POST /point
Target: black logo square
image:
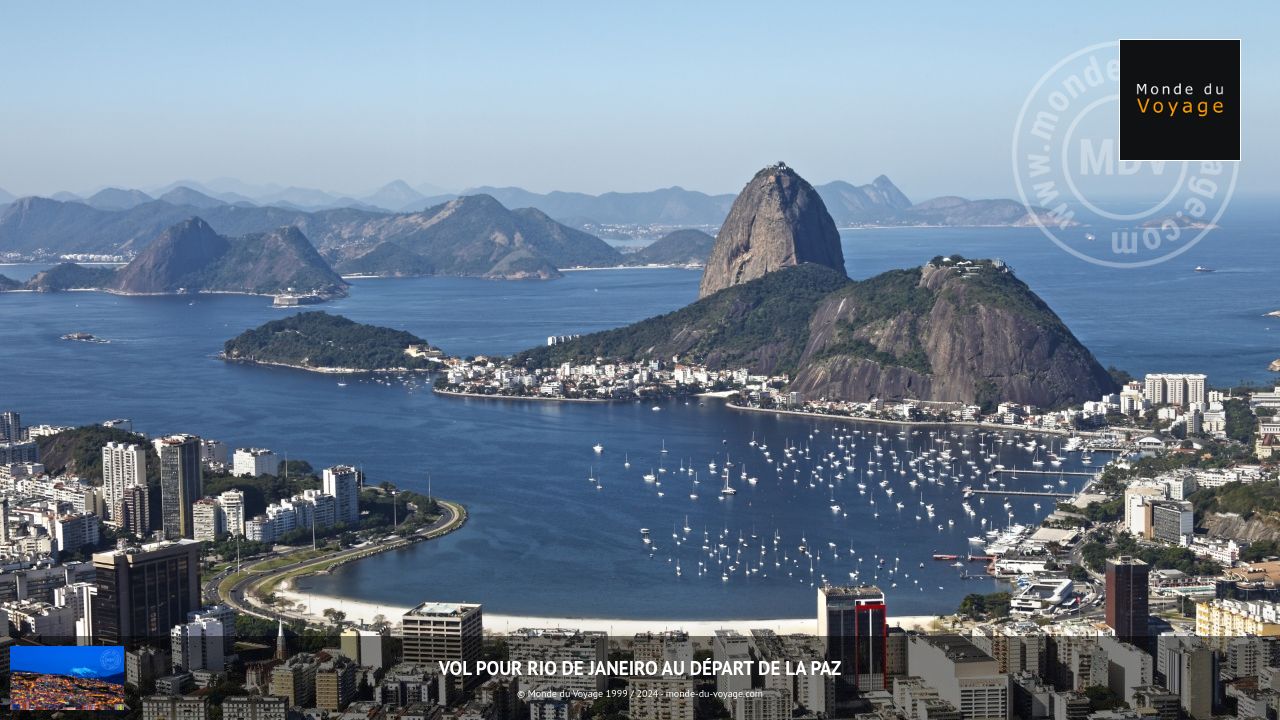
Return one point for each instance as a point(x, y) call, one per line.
point(1179, 99)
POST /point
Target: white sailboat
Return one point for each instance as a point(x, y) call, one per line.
point(727, 489)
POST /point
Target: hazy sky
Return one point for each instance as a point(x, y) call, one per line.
point(589, 97)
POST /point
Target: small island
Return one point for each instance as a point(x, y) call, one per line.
point(85, 337)
point(319, 342)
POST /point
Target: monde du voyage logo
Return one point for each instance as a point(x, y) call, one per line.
point(1124, 152)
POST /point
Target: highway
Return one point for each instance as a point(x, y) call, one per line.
point(236, 595)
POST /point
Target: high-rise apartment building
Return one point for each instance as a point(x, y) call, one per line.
point(1181, 389)
point(1127, 611)
point(11, 426)
point(255, 707)
point(199, 645)
point(439, 632)
point(144, 591)
point(341, 481)
point(252, 462)
point(231, 502)
point(206, 520)
point(181, 483)
point(135, 510)
point(853, 622)
point(962, 674)
point(124, 465)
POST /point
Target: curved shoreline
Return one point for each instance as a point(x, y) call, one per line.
point(539, 398)
point(240, 594)
point(321, 370)
point(921, 423)
point(365, 610)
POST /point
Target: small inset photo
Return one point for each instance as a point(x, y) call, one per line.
point(87, 677)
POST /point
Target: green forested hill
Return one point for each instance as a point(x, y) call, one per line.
point(316, 340)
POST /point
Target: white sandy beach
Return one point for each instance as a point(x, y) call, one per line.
point(356, 610)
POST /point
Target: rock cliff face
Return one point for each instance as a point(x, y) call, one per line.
point(778, 220)
point(1231, 525)
point(963, 331)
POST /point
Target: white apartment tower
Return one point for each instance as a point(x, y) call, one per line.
point(199, 645)
point(1181, 389)
point(206, 519)
point(340, 481)
point(124, 465)
point(252, 462)
point(232, 504)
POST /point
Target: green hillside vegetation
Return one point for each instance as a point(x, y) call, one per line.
point(387, 259)
point(1245, 500)
point(79, 452)
point(320, 340)
point(675, 248)
point(764, 320)
point(1095, 555)
point(7, 283)
point(261, 491)
point(878, 300)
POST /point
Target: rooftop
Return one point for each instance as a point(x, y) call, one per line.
point(869, 592)
point(956, 648)
point(443, 609)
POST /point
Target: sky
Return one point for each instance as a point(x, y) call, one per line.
point(588, 97)
point(84, 661)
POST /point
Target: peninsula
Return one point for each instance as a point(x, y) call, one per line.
point(776, 301)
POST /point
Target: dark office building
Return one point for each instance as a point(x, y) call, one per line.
point(181, 484)
point(1127, 588)
point(11, 427)
point(853, 622)
point(144, 591)
point(135, 510)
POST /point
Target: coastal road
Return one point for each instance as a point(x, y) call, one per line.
point(235, 591)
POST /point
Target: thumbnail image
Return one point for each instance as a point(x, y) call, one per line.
point(67, 678)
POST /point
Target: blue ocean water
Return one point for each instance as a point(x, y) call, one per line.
point(542, 539)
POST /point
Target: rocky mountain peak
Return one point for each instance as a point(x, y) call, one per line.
point(777, 221)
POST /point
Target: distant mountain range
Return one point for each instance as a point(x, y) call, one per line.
point(470, 236)
point(877, 203)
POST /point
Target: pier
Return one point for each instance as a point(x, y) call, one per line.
point(1055, 473)
point(1026, 493)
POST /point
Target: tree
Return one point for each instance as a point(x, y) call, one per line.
point(1103, 698)
point(335, 616)
point(976, 606)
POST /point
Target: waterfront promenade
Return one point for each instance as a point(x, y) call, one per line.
point(242, 589)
